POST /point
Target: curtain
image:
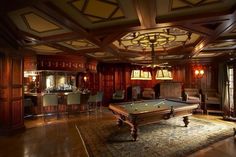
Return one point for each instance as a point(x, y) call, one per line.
point(223, 88)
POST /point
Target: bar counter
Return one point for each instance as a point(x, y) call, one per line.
point(33, 101)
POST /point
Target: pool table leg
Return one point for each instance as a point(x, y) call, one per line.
point(134, 132)
point(186, 121)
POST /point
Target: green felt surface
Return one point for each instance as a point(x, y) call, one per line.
point(149, 106)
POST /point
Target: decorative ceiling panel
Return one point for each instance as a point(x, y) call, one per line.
point(33, 21)
point(92, 14)
point(171, 57)
point(221, 45)
point(79, 44)
point(45, 49)
point(162, 39)
point(100, 54)
point(98, 11)
point(39, 24)
point(180, 4)
point(177, 8)
point(141, 58)
point(206, 55)
point(113, 59)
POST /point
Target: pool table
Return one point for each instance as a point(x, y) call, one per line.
point(150, 111)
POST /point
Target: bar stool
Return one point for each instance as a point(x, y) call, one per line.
point(50, 101)
point(73, 99)
point(95, 100)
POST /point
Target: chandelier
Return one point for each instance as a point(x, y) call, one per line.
point(164, 38)
point(160, 38)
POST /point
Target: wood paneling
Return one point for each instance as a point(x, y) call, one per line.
point(67, 63)
point(170, 89)
point(11, 98)
point(117, 76)
point(30, 63)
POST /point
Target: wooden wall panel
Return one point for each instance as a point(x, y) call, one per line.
point(11, 88)
point(17, 109)
point(17, 92)
point(30, 63)
point(117, 76)
point(67, 63)
point(170, 89)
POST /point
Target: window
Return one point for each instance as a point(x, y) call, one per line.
point(231, 89)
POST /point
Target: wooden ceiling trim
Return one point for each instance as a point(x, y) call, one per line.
point(62, 18)
point(224, 27)
point(115, 29)
point(60, 47)
point(189, 4)
point(11, 37)
point(94, 18)
point(115, 51)
point(112, 37)
point(12, 30)
point(6, 6)
point(146, 11)
point(197, 17)
point(49, 7)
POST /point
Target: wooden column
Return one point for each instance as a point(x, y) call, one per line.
point(11, 93)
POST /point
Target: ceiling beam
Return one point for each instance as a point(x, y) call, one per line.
point(223, 28)
point(62, 18)
point(146, 11)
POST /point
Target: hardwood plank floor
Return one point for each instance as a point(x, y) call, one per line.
point(60, 138)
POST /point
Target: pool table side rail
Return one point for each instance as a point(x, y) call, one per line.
point(121, 110)
point(150, 117)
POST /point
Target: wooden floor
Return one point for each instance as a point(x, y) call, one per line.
point(41, 139)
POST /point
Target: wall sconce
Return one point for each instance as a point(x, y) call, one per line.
point(199, 73)
point(33, 78)
point(85, 78)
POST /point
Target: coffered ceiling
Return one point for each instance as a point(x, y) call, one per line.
point(135, 31)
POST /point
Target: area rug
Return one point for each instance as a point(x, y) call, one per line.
point(167, 138)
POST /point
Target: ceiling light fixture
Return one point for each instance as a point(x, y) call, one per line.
point(163, 74)
point(141, 75)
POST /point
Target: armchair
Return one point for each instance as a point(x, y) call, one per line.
point(195, 96)
point(212, 101)
point(148, 93)
point(119, 95)
point(192, 95)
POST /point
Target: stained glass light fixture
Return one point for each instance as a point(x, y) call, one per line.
point(141, 75)
point(163, 74)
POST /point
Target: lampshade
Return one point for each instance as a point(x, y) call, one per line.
point(141, 75)
point(163, 74)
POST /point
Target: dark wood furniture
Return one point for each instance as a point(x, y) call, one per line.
point(145, 112)
point(212, 100)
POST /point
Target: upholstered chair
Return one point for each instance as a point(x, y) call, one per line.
point(212, 101)
point(148, 93)
point(192, 95)
point(50, 105)
point(118, 95)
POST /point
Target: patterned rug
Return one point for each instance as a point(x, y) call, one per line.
point(167, 138)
